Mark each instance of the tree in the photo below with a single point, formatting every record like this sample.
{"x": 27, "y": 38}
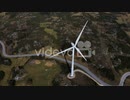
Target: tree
{"x": 2, "y": 74}
{"x": 29, "y": 81}
{"x": 11, "y": 82}
{"x": 7, "y": 62}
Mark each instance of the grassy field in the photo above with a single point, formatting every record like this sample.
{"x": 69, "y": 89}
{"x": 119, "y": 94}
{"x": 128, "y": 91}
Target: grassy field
{"x": 51, "y": 32}
{"x": 45, "y": 24}
{"x": 123, "y": 19}
{"x": 7, "y": 69}
{"x": 41, "y": 74}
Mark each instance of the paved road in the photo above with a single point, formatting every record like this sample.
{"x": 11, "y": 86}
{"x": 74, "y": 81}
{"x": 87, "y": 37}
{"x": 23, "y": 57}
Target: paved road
{"x": 123, "y": 78}
{"x": 85, "y": 69}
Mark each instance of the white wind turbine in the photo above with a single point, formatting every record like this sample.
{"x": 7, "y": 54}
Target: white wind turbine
{"x": 73, "y": 50}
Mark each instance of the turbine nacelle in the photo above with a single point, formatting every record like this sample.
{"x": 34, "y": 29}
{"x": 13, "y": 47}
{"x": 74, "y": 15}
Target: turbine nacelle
{"x": 73, "y": 45}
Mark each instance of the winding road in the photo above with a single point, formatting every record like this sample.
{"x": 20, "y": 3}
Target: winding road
{"x": 123, "y": 78}
{"x": 85, "y": 69}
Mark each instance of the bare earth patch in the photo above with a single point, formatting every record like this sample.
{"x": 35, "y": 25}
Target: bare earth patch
{"x": 37, "y": 62}
{"x": 49, "y": 64}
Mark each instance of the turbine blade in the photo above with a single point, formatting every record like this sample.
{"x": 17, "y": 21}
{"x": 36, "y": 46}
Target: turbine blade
{"x": 81, "y": 33}
{"x": 62, "y": 52}
{"x": 80, "y": 53}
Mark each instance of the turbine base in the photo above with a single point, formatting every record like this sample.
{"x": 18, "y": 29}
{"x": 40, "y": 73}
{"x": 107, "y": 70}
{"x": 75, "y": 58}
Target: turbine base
{"x": 71, "y": 77}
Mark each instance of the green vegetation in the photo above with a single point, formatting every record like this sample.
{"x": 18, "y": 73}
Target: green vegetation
{"x": 4, "y": 81}
{"x": 2, "y": 74}
{"x": 107, "y": 73}
{"x": 125, "y": 63}
{"x": 45, "y": 24}
{"x": 51, "y": 32}
{"x": 5, "y": 61}
{"x": 41, "y": 74}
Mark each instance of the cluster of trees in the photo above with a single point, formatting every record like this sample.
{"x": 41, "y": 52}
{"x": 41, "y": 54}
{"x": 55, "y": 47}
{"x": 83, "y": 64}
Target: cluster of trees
{"x": 2, "y": 75}
{"x": 11, "y": 82}
{"x": 107, "y": 73}
{"x": 5, "y": 61}
{"x": 125, "y": 63}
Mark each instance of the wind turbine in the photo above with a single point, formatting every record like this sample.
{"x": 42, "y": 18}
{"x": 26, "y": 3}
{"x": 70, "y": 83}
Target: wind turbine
{"x": 73, "y": 50}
